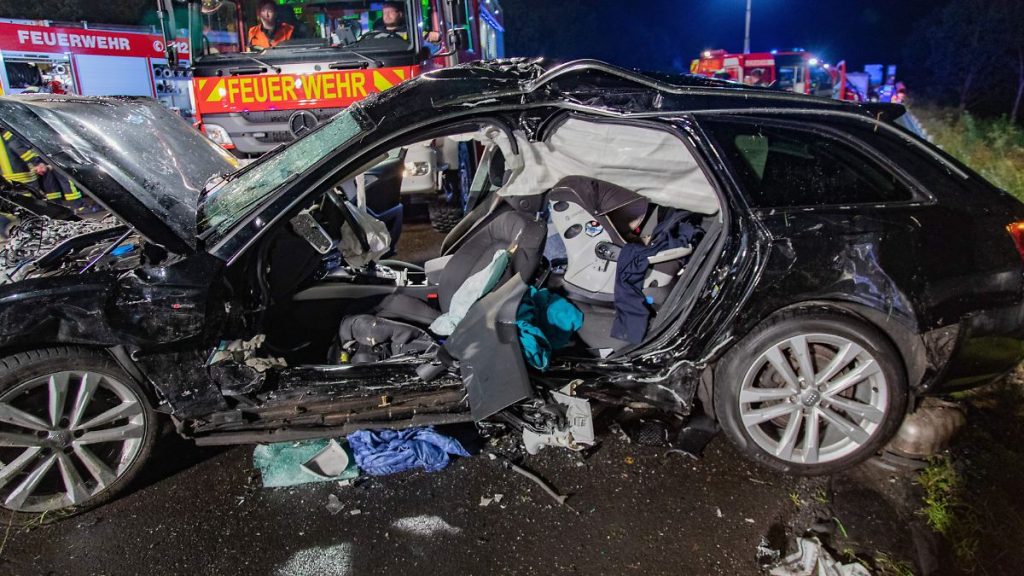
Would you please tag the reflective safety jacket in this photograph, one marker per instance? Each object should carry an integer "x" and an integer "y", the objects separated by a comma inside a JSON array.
[
  {"x": 258, "y": 37},
  {"x": 17, "y": 163},
  {"x": 17, "y": 159}
]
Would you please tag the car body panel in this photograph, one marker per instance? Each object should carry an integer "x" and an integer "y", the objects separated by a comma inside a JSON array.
[
  {"x": 878, "y": 261},
  {"x": 132, "y": 155}
]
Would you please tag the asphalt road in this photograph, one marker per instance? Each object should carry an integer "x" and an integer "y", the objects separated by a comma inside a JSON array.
[{"x": 633, "y": 511}]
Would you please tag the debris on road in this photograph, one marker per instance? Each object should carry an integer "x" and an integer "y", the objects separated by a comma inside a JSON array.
[
  {"x": 486, "y": 501},
  {"x": 293, "y": 463},
  {"x": 812, "y": 559},
  {"x": 766, "y": 555},
  {"x": 694, "y": 436},
  {"x": 333, "y": 504},
  {"x": 560, "y": 498},
  {"x": 383, "y": 452}
]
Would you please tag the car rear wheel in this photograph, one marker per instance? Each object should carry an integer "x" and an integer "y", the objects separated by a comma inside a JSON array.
[
  {"x": 74, "y": 430},
  {"x": 811, "y": 393}
]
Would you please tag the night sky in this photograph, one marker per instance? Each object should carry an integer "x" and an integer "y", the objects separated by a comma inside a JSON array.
[{"x": 667, "y": 34}]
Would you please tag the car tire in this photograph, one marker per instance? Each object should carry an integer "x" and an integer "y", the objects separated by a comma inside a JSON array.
[
  {"x": 845, "y": 412},
  {"x": 445, "y": 214},
  {"x": 75, "y": 430}
]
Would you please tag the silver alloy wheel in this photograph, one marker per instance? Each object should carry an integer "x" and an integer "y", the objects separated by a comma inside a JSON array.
[
  {"x": 65, "y": 437},
  {"x": 813, "y": 398}
]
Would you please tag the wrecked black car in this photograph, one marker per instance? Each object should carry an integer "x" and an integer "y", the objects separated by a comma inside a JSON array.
[{"x": 800, "y": 270}]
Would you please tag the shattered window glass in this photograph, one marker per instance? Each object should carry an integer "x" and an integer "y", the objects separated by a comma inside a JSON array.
[
  {"x": 226, "y": 205},
  {"x": 780, "y": 167}
]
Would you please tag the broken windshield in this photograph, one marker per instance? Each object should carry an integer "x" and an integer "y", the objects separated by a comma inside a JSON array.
[{"x": 228, "y": 202}]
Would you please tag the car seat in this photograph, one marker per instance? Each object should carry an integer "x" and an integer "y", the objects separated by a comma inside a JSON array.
[
  {"x": 595, "y": 219},
  {"x": 400, "y": 312}
]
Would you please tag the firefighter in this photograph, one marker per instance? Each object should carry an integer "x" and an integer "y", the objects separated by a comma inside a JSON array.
[
  {"x": 268, "y": 33},
  {"x": 21, "y": 164},
  {"x": 393, "y": 22}
]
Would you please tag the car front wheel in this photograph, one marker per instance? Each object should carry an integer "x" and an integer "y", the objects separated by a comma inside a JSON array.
[
  {"x": 811, "y": 393},
  {"x": 74, "y": 430}
]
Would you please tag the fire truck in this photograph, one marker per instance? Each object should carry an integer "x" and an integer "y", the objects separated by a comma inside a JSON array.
[
  {"x": 332, "y": 53},
  {"x": 796, "y": 71},
  {"x": 92, "y": 60}
]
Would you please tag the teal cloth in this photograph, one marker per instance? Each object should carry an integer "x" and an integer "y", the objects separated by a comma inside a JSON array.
[{"x": 546, "y": 322}]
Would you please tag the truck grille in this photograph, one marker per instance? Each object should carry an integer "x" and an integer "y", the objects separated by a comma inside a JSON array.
[
  {"x": 274, "y": 137},
  {"x": 283, "y": 115}
]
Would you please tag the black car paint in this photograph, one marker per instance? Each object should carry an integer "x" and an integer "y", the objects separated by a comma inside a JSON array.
[{"x": 866, "y": 262}]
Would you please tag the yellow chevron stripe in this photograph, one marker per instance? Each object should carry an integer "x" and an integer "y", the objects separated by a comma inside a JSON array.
[
  {"x": 380, "y": 82},
  {"x": 28, "y": 155},
  {"x": 217, "y": 93}
]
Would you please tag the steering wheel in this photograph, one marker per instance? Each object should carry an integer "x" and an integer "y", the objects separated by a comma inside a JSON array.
[
  {"x": 379, "y": 34},
  {"x": 342, "y": 205}
]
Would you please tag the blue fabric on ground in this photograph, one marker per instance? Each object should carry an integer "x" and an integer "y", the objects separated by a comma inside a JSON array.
[
  {"x": 546, "y": 322},
  {"x": 631, "y": 310},
  {"x": 383, "y": 452}
]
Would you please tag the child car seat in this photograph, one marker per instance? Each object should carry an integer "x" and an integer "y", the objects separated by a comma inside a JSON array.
[{"x": 593, "y": 219}]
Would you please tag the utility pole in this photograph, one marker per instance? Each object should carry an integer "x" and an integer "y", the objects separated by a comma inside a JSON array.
[{"x": 746, "y": 36}]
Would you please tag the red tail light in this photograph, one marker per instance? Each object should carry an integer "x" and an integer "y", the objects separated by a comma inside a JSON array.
[{"x": 1016, "y": 231}]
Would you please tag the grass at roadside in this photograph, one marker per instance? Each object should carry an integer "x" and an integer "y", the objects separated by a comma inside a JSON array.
[
  {"x": 992, "y": 147},
  {"x": 948, "y": 512},
  {"x": 972, "y": 497}
]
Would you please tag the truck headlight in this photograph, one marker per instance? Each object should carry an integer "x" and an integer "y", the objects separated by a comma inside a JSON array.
[
  {"x": 417, "y": 168},
  {"x": 219, "y": 135}
]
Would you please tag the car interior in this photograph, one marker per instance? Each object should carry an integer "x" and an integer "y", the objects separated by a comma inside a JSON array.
[{"x": 331, "y": 289}]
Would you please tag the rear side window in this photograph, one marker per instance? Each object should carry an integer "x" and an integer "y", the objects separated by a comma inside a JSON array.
[{"x": 779, "y": 166}]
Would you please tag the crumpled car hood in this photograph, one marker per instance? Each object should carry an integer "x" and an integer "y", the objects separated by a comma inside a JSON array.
[{"x": 140, "y": 160}]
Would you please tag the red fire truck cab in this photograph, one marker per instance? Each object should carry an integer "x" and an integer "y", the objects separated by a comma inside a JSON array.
[
  {"x": 796, "y": 71},
  {"x": 250, "y": 99}
]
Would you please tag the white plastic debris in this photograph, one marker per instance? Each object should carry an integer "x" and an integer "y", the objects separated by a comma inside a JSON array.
[
  {"x": 486, "y": 501},
  {"x": 811, "y": 559},
  {"x": 767, "y": 555},
  {"x": 334, "y": 505}
]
